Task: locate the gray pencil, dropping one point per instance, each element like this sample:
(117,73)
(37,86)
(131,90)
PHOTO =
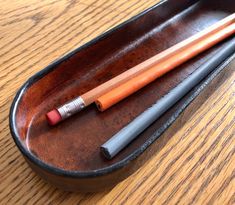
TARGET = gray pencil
(145,119)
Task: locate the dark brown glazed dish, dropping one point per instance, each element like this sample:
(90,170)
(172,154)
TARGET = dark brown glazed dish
(68,155)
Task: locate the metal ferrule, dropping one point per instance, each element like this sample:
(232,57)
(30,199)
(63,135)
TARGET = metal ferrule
(71,107)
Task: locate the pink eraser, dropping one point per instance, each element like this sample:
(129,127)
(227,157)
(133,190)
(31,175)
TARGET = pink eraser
(53,117)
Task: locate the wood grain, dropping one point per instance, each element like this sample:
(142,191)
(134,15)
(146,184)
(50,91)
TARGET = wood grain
(195,165)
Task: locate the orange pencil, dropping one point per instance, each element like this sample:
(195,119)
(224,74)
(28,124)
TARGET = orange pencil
(93,94)
(136,83)
(86,99)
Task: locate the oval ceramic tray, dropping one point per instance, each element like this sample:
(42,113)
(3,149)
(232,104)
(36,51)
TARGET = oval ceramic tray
(67,155)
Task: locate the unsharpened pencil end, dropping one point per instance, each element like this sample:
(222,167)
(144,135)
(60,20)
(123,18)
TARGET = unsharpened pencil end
(105,152)
(53,117)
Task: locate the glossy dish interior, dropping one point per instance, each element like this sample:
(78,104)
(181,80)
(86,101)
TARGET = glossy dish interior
(74,144)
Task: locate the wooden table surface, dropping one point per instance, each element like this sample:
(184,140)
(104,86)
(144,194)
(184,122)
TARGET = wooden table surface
(200,166)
